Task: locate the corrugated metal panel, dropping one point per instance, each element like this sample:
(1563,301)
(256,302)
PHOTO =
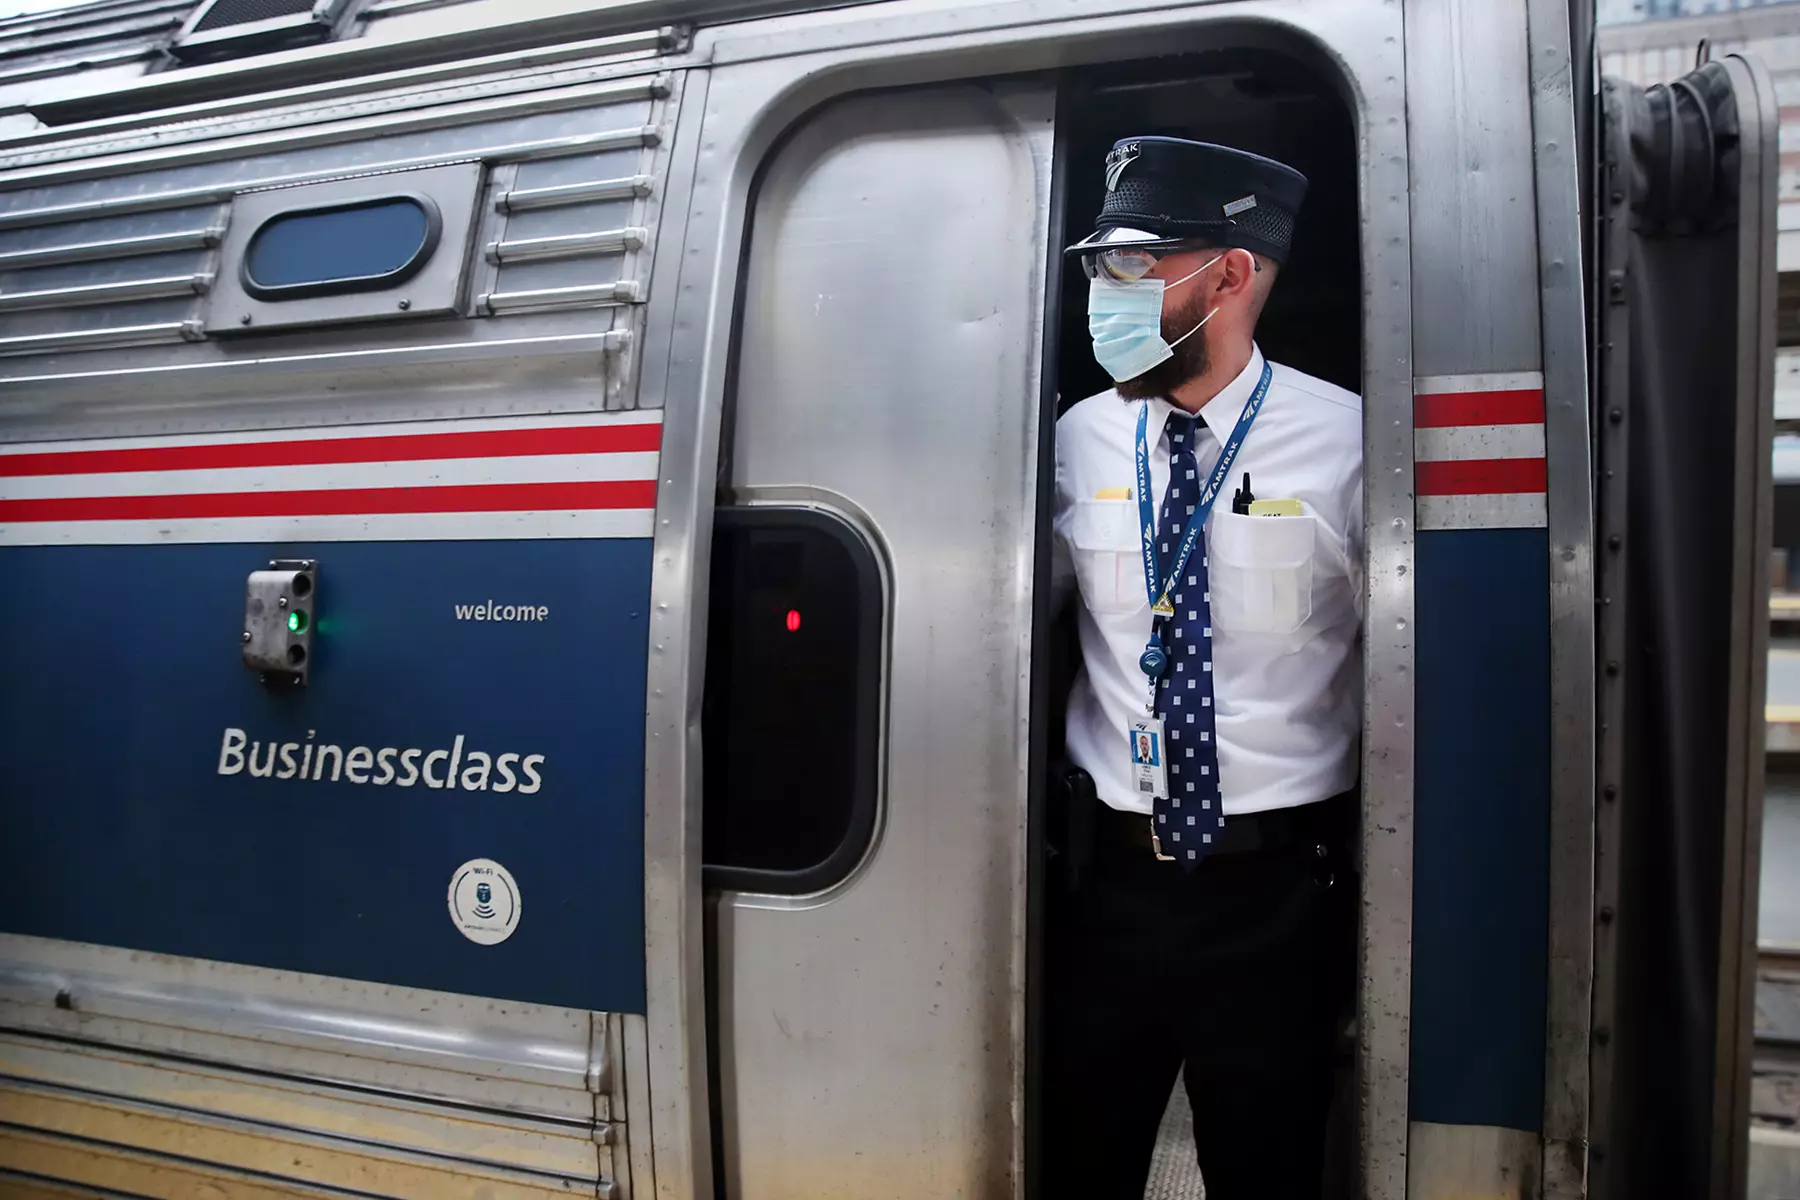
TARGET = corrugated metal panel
(116,261)
(360,94)
(574,242)
(81,31)
(150,1082)
(100,257)
(307,1134)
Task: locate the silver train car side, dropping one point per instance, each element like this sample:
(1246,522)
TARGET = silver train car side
(526,666)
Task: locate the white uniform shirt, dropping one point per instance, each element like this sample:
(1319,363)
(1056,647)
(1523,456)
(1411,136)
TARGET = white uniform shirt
(1286,592)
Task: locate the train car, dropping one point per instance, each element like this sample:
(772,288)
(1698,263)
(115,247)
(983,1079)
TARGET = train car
(456,452)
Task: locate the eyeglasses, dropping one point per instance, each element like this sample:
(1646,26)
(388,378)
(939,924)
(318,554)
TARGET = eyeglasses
(1132,261)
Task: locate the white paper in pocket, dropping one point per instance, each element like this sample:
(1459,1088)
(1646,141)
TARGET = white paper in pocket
(1261,572)
(1108,555)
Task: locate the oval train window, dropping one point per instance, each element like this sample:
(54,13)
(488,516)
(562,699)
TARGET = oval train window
(345,248)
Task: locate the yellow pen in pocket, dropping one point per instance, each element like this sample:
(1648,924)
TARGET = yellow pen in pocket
(1113,494)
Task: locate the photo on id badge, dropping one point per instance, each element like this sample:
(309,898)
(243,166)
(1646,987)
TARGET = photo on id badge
(1146,755)
(1149,773)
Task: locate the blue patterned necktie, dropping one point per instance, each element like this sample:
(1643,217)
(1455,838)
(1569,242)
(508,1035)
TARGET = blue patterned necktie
(1189,818)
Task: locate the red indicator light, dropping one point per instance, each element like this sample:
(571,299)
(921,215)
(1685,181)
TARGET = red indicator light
(793,620)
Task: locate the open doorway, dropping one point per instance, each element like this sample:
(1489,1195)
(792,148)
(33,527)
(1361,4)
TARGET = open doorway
(1281,107)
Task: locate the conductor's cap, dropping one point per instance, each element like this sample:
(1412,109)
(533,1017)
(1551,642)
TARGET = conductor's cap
(1175,189)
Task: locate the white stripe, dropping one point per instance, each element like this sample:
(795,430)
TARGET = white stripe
(1522,510)
(533,468)
(1469,1160)
(335,432)
(595,523)
(1433,385)
(1456,442)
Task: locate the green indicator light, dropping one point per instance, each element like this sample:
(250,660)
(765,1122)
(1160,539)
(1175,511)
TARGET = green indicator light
(296,622)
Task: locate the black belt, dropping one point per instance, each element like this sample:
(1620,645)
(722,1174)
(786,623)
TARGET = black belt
(1246,833)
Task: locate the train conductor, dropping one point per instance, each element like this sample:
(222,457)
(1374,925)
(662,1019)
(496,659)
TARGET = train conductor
(1210,506)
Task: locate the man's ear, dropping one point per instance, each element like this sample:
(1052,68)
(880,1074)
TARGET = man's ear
(1240,275)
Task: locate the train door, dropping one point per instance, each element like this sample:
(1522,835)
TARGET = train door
(887,391)
(880,341)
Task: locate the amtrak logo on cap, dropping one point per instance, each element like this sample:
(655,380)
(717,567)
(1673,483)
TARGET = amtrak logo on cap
(1117,159)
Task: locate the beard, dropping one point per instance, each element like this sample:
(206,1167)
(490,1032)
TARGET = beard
(1190,359)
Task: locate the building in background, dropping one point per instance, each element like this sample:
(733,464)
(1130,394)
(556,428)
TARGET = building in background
(1615,12)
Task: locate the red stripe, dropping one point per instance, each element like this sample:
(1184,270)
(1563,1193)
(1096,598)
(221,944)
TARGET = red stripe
(497,443)
(332,502)
(1479,408)
(1479,476)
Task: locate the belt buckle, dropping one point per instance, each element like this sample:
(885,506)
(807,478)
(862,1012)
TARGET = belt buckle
(1156,843)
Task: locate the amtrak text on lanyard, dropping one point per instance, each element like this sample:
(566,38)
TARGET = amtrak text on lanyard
(1155,659)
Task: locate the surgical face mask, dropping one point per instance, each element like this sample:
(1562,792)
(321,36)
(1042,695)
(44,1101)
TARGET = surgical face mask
(1125,321)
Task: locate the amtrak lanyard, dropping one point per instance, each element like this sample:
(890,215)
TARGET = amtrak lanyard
(1155,659)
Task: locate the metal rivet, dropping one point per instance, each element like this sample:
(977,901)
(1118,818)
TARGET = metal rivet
(1616,415)
(1606,915)
(1612,667)
(1603,1035)
(244,320)
(65,1000)
(1610,791)
(246,637)
(1614,541)
(405,304)
(281,603)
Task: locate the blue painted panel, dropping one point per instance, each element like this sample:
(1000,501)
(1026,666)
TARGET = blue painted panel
(1481,870)
(120,673)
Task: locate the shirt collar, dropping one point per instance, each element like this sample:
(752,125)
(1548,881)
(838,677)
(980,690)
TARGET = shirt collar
(1222,411)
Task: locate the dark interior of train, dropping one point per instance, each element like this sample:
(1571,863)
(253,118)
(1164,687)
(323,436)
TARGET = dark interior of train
(1255,100)
(1268,103)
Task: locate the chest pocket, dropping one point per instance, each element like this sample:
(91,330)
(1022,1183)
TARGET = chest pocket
(1108,555)
(1261,572)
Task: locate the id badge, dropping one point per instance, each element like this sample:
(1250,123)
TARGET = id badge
(1149,758)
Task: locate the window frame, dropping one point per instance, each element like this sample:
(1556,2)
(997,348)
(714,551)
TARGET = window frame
(435,286)
(871,599)
(346,285)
